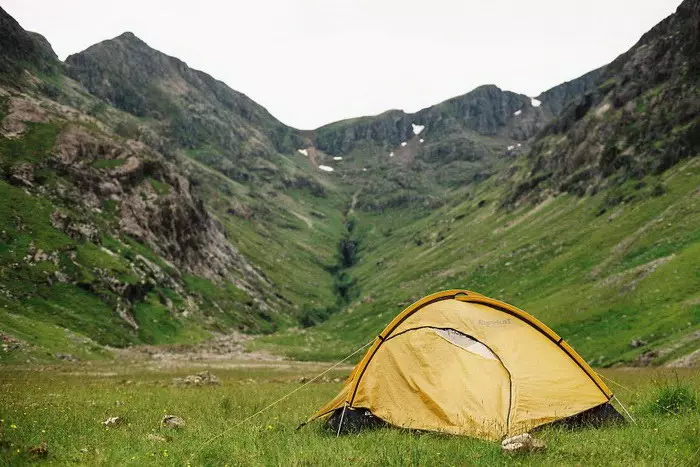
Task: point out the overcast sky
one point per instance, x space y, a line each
311 62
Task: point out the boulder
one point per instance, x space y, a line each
172 421
113 422
523 443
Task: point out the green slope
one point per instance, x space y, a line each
600 280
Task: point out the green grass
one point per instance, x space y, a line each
161 188
108 163
601 281
65 406
33 146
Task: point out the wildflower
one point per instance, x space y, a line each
13 426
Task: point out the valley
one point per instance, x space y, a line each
145 202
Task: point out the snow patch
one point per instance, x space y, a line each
364 169
337 158
391 154
519 144
510 148
518 112
535 102
417 128
303 151
403 144
325 168
421 140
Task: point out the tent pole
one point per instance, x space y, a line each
342 415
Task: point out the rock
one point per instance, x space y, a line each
523 443
172 421
635 343
203 378
9 343
303 380
66 357
647 358
40 452
113 422
23 175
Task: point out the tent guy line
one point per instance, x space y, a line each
272 404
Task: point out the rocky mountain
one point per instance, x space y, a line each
640 117
101 233
145 201
21 49
196 110
557 98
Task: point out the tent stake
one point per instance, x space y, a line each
342 415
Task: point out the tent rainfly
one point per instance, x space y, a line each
461 363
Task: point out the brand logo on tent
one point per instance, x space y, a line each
495 322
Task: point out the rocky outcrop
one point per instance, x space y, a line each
155 203
641 118
21 49
557 98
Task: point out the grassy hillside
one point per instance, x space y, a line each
601 275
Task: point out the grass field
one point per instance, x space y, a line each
65 406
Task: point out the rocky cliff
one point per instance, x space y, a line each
641 117
21 49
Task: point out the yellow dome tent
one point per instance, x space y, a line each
462 363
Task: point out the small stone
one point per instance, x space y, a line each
200 379
635 343
522 444
66 357
113 421
172 421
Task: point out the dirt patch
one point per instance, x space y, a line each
692 360
627 280
222 349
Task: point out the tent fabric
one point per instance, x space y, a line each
459 362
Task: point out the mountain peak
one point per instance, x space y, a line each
129 37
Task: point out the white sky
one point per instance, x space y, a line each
311 62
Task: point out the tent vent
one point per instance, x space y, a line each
467 343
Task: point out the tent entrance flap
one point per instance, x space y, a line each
452 383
